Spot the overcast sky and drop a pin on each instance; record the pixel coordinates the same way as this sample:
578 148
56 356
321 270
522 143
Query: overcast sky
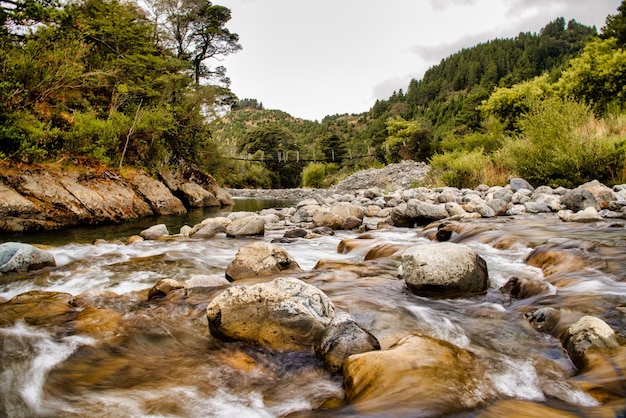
313 58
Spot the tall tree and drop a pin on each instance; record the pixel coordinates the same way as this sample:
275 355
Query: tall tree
616 25
197 32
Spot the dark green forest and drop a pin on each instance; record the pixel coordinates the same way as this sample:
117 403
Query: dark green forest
148 91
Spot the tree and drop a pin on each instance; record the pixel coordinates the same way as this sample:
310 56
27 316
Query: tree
197 32
408 139
615 26
597 76
272 144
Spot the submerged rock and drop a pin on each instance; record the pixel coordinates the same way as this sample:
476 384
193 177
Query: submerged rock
38 307
18 257
259 259
444 269
418 373
284 314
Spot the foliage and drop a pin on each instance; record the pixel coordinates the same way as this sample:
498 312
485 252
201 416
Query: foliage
407 140
318 174
96 78
597 76
616 26
461 169
563 144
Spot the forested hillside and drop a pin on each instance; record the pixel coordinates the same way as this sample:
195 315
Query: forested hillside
433 115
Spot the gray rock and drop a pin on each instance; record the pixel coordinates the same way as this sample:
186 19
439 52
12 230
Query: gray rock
154 232
258 259
207 230
580 199
248 226
603 194
499 206
517 184
204 280
284 314
444 269
18 257
344 337
197 196
537 207
588 215
480 207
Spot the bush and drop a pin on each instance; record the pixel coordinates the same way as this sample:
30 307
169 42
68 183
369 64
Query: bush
562 144
464 169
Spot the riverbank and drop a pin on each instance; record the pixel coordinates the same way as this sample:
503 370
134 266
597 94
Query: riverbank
41 197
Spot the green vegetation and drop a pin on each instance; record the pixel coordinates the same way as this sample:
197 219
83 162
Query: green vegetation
102 80
125 85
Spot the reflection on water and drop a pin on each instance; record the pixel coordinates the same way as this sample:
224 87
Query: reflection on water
88 234
157 358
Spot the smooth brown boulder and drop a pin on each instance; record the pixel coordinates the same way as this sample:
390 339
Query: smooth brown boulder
417 374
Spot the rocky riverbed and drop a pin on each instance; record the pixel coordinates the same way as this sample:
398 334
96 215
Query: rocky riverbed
495 301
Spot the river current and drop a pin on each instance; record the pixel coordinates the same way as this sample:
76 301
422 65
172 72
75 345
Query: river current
162 361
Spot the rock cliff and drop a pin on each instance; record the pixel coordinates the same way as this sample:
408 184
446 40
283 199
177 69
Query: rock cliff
34 197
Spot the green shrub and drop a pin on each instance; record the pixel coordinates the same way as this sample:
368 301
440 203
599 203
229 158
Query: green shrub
461 169
313 175
562 144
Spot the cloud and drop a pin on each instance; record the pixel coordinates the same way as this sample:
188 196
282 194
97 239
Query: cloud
444 4
435 53
384 89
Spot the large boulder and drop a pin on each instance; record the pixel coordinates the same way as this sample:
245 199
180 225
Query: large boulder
579 199
248 226
342 215
259 259
284 314
604 195
416 212
18 257
194 186
418 373
444 269
343 338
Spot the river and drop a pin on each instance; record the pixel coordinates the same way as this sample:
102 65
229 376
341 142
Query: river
161 361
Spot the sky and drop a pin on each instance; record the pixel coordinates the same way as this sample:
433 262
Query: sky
314 58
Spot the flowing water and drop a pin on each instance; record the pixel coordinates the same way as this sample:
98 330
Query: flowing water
156 358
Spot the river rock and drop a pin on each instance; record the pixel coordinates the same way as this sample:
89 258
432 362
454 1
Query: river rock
344 337
159 197
326 218
579 199
524 287
196 196
163 287
418 373
18 257
195 186
588 334
284 314
444 269
260 259
38 307
205 280
604 195
589 214
155 232
100 323
416 212
248 226
518 183
207 230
